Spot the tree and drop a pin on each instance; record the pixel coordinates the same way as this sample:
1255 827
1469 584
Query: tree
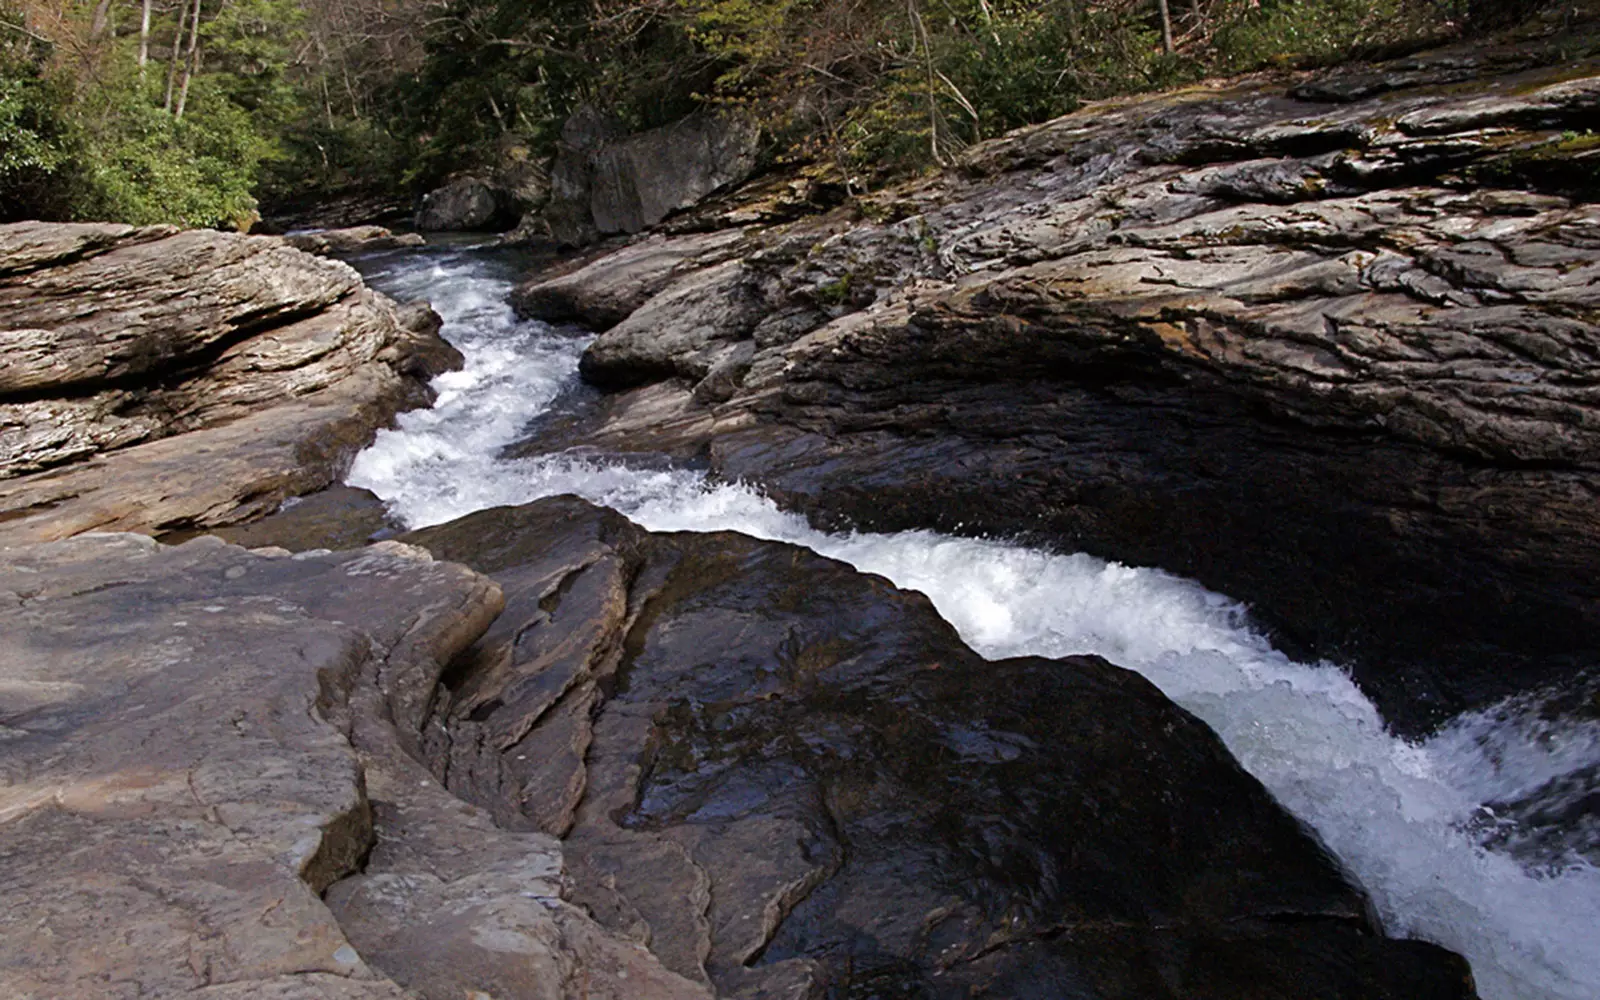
191 62
144 38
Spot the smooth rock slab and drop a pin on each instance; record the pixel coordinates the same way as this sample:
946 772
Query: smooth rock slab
792 779
195 745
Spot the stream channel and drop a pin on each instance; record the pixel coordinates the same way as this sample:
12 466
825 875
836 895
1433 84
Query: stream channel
1420 825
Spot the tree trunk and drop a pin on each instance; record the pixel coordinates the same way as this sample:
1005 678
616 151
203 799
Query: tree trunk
101 21
193 64
177 53
1166 28
933 96
144 38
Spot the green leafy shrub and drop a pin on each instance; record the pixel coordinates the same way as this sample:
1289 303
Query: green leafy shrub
1289 32
144 166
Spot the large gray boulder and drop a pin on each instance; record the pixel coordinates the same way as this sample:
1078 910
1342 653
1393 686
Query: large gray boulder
470 204
627 767
794 780
606 183
352 240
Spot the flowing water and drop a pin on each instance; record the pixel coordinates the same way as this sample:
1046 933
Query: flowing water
1416 823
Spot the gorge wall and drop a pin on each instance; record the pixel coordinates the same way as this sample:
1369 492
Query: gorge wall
1327 343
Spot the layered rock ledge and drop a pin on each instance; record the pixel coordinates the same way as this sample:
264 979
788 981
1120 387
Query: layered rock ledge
1329 344
152 379
195 750
344 775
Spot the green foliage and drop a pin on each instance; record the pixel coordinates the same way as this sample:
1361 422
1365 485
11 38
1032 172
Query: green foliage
142 165
29 135
92 138
293 98
505 68
35 137
1289 32
326 155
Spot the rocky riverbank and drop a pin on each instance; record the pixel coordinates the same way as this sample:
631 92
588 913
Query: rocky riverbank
1327 343
154 380
345 775
599 762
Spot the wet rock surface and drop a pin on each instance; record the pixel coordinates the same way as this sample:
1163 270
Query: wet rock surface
153 379
339 517
1327 344
792 779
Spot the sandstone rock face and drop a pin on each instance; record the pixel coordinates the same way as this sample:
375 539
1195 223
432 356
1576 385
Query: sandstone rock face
791 779
1328 344
605 292
153 379
195 750
356 209
604 182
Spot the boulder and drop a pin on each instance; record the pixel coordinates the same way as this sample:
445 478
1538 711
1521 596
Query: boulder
355 239
197 750
323 210
601 294
652 767
789 778
153 379
1325 343
470 204
604 182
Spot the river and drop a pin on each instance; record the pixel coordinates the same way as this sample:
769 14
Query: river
1414 822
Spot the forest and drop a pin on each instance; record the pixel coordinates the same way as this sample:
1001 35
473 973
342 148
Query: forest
201 112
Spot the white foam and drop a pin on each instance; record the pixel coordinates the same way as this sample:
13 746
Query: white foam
1400 816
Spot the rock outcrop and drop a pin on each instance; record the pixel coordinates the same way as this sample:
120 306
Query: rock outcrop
152 379
652 767
791 779
321 210
605 182
469 204
1327 343
196 751
354 239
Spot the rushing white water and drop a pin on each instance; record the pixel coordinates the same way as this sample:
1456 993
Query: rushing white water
1407 819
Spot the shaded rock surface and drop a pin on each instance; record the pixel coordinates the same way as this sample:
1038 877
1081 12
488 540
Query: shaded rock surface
1328 344
335 211
339 517
470 204
792 779
605 182
183 779
153 379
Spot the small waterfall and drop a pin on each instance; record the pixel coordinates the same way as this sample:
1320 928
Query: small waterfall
1423 826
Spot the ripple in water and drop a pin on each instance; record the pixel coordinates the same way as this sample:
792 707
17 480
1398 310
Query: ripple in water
1412 821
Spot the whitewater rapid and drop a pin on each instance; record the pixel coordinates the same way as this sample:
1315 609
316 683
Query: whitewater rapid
1407 819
